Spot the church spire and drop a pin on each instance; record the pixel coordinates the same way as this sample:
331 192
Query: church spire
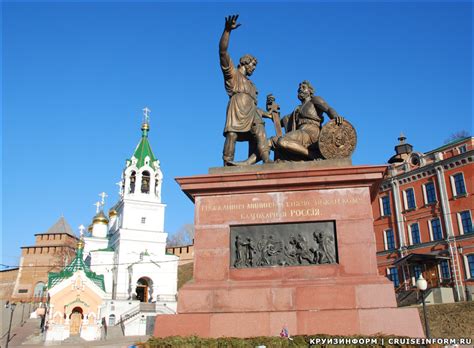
142 175
143 149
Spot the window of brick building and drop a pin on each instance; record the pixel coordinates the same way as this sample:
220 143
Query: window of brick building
445 272
458 186
415 233
465 222
462 148
393 276
410 199
389 240
436 231
430 193
385 204
470 265
417 271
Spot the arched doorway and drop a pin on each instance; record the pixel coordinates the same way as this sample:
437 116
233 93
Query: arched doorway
143 289
76 320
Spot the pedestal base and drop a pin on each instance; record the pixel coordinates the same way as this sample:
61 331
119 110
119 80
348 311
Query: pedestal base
389 321
355 305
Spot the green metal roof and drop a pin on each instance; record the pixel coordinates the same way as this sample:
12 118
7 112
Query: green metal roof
104 249
451 143
144 149
77 264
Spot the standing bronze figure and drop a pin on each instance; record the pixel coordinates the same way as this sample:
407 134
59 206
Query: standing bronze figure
243 120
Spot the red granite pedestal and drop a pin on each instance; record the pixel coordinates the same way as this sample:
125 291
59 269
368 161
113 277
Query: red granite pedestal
345 298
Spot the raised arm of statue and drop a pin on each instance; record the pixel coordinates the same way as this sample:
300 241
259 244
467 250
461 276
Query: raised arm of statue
230 24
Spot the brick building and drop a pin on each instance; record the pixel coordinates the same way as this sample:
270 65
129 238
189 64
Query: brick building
423 220
184 252
7 282
51 252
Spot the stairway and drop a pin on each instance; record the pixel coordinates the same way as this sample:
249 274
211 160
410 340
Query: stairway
74 339
410 297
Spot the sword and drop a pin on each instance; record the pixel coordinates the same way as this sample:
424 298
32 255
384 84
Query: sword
274 110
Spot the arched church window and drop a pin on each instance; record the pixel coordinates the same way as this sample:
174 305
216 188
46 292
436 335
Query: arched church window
145 182
133 178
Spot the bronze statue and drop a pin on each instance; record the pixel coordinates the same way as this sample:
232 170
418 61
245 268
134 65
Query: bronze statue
243 120
303 126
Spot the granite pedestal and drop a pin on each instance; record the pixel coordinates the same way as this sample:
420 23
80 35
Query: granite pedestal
344 298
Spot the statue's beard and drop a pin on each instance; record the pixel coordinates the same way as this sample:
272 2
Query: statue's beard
303 95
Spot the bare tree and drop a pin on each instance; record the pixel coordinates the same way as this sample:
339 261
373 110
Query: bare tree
184 236
457 135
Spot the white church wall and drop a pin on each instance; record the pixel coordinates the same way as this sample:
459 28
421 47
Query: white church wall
137 326
146 216
102 263
118 308
93 243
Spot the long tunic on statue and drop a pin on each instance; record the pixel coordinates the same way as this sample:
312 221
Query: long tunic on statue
242 106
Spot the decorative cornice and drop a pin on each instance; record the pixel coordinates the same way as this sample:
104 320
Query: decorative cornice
428 170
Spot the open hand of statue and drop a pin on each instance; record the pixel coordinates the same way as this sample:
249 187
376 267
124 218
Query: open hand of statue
231 22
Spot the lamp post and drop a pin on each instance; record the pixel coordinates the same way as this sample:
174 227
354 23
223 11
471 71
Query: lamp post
421 284
11 307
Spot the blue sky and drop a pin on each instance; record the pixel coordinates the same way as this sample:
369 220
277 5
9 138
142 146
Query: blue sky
76 76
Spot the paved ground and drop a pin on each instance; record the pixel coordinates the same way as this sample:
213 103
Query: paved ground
28 336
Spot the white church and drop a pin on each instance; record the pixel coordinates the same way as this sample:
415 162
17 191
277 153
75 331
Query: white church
127 249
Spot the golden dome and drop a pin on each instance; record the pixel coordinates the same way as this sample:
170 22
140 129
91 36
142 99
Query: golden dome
89 229
112 212
100 218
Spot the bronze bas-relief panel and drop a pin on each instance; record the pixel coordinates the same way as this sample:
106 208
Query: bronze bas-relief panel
279 245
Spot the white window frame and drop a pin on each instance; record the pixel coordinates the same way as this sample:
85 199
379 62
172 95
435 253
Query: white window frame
466 266
385 240
431 229
460 226
425 195
405 200
440 272
410 239
453 185
390 273
381 205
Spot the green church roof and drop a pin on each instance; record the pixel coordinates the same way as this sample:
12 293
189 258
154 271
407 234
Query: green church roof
77 264
144 149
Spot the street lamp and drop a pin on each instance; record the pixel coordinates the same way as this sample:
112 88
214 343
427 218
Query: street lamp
421 284
11 307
